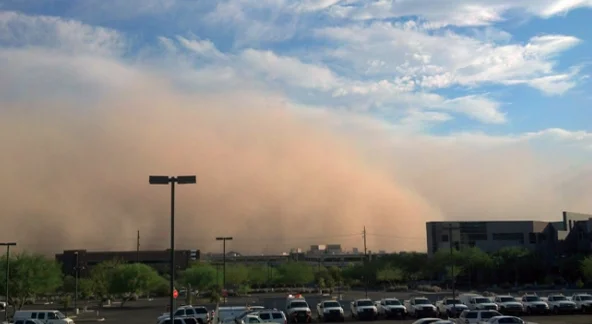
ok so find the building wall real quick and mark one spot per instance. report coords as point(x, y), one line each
point(157, 259)
point(488, 236)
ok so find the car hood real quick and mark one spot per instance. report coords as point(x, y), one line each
point(394, 306)
point(511, 303)
point(366, 307)
point(487, 304)
point(456, 306)
point(332, 308)
point(299, 309)
point(538, 303)
point(425, 306)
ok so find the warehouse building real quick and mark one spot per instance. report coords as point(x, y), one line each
point(159, 259)
point(548, 237)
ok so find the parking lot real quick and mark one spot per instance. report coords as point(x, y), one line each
point(144, 311)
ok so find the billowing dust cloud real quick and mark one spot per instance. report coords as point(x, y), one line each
point(76, 176)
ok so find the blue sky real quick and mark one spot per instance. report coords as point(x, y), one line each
point(498, 66)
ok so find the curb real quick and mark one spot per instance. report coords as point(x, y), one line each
point(82, 320)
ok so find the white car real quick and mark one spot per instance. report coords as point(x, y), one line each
point(533, 304)
point(583, 302)
point(508, 305)
point(391, 308)
point(450, 307)
point(504, 320)
point(561, 304)
point(180, 320)
point(252, 319)
point(419, 307)
point(433, 320)
point(330, 310)
point(477, 316)
point(363, 309)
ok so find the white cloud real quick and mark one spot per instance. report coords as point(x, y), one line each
point(446, 59)
point(457, 13)
point(66, 35)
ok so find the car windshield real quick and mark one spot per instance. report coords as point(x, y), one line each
point(482, 300)
point(365, 303)
point(392, 302)
point(507, 299)
point(331, 304)
point(422, 301)
point(300, 304)
point(585, 297)
point(532, 298)
point(558, 298)
point(486, 315)
point(452, 301)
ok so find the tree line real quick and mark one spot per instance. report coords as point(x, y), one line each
point(34, 276)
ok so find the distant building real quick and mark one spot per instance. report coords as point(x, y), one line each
point(333, 249)
point(318, 248)
point(157, 259)
point(550, 238)
point(355, 251)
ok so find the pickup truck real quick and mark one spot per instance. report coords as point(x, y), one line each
point(330, 310)
point(449, 307)
point(391, 308)
point(533, 304)
point(363, 309)
point(559, 304)
point(420, 307)
point(200, 313)
point(583, 302)
point(508, 305)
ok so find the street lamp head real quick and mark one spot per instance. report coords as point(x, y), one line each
point(159, 180)
point(228, 238)
point(186, 179)
point(8, 244)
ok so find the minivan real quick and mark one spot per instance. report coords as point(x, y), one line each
point(45, 316)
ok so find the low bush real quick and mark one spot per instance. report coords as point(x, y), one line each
point(397, 288)
point(429, 288)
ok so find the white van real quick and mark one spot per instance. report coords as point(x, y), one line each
point(478, 302)
point(227, 313)
point(45, 316)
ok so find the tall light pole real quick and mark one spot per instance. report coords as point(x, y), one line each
point(77, 269)
point(224, 239)
point(8, 245)
point(165, 180)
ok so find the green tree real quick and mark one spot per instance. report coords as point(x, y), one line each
point(258, 275)
point(389, 275)
point(323, 278)
point(100, 280)
point(511, 257)
point(132, 279)
point(586, 268)
point(201, 276)
point(31, 275)
point(236, 275)
point(454, 272)
point(295, 274)
point(68, 285)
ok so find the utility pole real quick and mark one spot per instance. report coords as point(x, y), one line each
point(365, 263)
point(138, 247)
point(452, 261)
point(8, 245)
point(224, 239)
